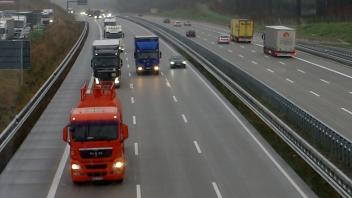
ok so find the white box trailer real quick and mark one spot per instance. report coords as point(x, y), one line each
point(279, 41)
point(7, 28)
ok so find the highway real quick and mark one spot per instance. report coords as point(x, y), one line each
point(320, 86)
point(185, 140)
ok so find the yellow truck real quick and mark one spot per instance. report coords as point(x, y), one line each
point(242, 30)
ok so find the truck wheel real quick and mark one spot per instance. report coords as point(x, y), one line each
point(119, 181)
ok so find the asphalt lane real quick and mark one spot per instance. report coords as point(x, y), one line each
point(185, 143)
point(321, 91)
point(185, 140)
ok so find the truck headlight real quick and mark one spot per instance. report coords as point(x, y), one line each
point(117, 81)
point(75, 167)
point(139, 68)
point(156, 68)
point(95, 17)
point(172, 62)
point(118, 165)
point(96, 81)
point(184, 62)
point(51, 21)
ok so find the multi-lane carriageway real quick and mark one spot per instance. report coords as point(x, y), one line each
point(185, 140)
point(317, 85)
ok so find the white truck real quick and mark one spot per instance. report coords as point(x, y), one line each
point(279, 41)
point(7, 28)
point(47, 17)
point(21, 28)
point(113, 32)
point(110, 21)
point(106, 61)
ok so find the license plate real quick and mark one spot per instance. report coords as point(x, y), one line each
point(97, 178)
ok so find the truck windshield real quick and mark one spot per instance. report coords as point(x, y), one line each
point(147, 55)
point(19, 24)
point(95, 131)
point(2, 30)
point(105, 61)
point(110, 23)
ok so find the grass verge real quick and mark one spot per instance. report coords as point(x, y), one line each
point(47, 51)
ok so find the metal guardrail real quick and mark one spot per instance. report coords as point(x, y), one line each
point(245, 86)
point(342, 56)
point(13, 135)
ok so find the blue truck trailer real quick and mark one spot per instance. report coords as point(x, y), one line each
point(146, 54)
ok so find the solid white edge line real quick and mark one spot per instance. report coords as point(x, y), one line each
point(197, 147)
point(312, 92)
point(136, 149)
point(184, 118)
point(100, 30)
point(58, 174)
point(138, 191)
point(216, 189)
point(347, 111)
point(323, 67)
point(134, 120)
point(282, 170)
point(175, 99)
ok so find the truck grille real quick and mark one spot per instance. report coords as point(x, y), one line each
point(96, 174)
point(96, 166)
point(95, 153)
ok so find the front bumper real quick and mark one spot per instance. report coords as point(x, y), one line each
point(97, 172)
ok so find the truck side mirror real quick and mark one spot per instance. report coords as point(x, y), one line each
point(65, 134)
point(135, 55)
point(121, 63)
point(124, 132)
point(160, 54)
point(91, 63)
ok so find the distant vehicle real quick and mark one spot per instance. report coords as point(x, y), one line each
point(97, 14)
point(166, 21)
point(242, 30)
point(178, 24)
point(47, 16)
point(113, 32)
point(191, 33)
point(187, 23)
point(110, 22)
point(90, 12)
point(177, 61)
point(147, 55)
point(280, 41)
point(7, 28)
point(70, 11)
point(106, 61)
point(224, 39)
point(96, 135)
point(20, 26)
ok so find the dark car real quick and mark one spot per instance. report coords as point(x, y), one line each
point(177, 61)
point(191, 33)
point(166, 21)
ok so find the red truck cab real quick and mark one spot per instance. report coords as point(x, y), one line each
point(96, 135)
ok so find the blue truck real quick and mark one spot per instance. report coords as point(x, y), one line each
point(146, 54)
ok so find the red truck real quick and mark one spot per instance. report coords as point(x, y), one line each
point(96, 135)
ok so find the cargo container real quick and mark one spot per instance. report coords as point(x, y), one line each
point(279, 41)
point(242, 30)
